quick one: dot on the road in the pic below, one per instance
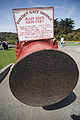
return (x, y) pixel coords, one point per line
(67, 109)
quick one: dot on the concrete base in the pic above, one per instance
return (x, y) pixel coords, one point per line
(4, 71)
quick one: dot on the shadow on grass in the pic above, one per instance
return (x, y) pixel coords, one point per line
(6, 50)
(65, 102)
(10, 49)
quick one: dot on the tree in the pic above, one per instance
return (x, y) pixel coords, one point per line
(56, 22)
(66, 25)
(56, 27)
(63, 27)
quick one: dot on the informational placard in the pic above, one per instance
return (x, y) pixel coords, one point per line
(34, 23)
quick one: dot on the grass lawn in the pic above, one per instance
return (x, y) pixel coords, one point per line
(71, 43)
(7, 57)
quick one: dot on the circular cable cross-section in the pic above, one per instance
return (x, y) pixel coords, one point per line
(44, 77)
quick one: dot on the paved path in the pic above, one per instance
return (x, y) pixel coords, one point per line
(67, 109)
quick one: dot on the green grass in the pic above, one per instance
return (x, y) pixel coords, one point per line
(71, 43)
(7, 57)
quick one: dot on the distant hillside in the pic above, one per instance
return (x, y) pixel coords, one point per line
(12, 37)
(78, 30)
(9, 37)
(73, 36)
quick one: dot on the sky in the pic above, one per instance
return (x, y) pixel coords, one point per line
(62, 9)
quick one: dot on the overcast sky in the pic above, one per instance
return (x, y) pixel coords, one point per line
(62, 9)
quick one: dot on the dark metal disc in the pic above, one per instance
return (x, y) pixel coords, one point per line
(44, 77)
